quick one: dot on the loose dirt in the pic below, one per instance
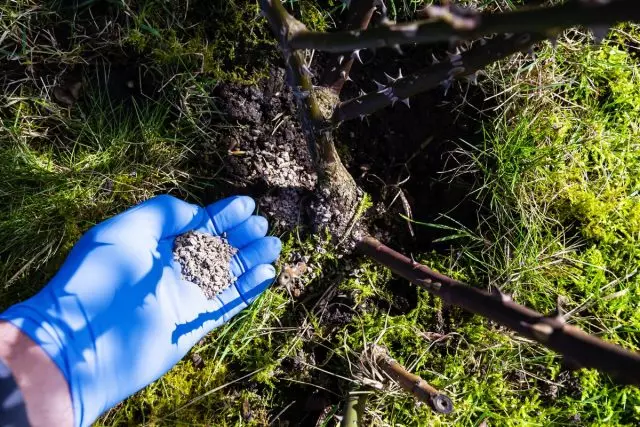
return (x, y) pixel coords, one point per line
(267, 147)
(205, 261)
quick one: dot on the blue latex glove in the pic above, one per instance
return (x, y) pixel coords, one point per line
(117, 315)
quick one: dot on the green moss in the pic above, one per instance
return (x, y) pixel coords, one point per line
(193, 41)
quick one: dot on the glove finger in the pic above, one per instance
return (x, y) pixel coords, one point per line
(160, 217)
(245, 290)
(226, 214)
(262, 251)
(253, 228)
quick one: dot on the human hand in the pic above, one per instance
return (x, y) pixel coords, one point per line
(117, 315)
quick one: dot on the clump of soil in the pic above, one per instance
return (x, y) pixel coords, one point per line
(291, 278)
(205, 260)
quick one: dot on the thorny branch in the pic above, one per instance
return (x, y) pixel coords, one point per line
(449, 24)
(338, 73)
(483, 53)
(578, 347)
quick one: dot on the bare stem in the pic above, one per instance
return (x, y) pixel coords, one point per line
(451, 25)
(578, 347)
(412, 383)
(483, 53)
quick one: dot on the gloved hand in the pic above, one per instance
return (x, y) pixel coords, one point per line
(117, 315)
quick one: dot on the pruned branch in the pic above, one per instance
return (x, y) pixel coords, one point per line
(450, 24)
(483, 53)
(412, 383)
(354, 407)
(578, 347)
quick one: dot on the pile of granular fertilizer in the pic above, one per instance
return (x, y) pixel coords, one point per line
(205, 261)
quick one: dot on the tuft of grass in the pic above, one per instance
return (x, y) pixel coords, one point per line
(61, 173)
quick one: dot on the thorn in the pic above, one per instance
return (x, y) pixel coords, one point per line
(340, 59)
(559, 314)
(306, 70)
(496, 293)
(397, 48)
(348, 79)
(453, 58)
(406, 102)
(380, 86)
(343, 74)
(362, 116)
(356, 55)
(599, 33)
(458, 51)
(362, 92)
(435, 60)
(390, 79)
(388, 92)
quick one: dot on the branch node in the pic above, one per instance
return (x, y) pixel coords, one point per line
(458, 18)
(541, 331)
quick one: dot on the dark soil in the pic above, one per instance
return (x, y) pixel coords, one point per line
(404, 153)
(267, 153)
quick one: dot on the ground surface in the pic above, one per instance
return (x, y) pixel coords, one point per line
(530, 182)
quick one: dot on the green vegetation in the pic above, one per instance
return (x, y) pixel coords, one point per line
(558, 179)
